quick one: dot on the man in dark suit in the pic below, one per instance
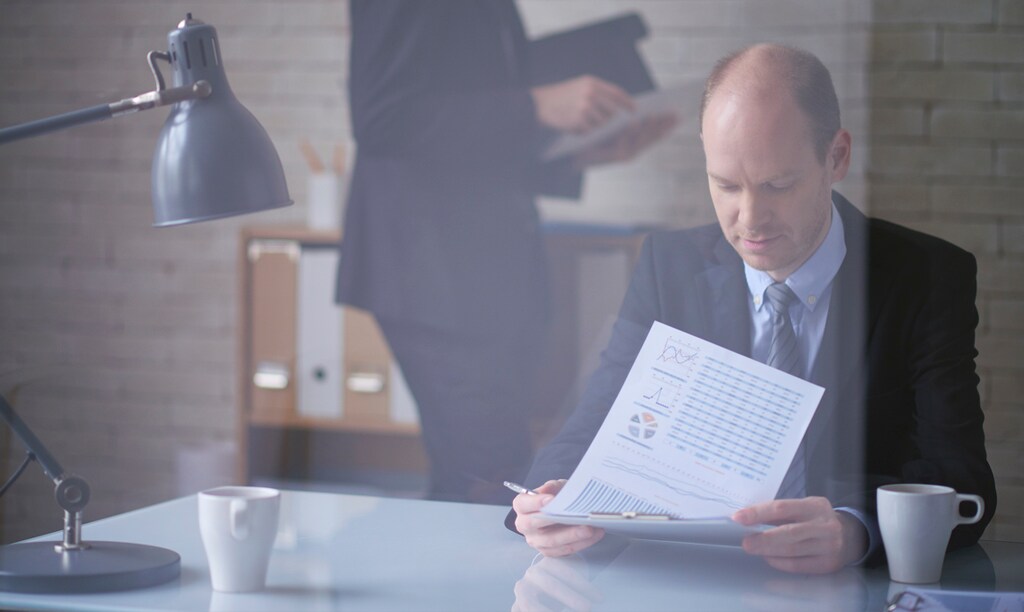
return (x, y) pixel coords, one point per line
(879, 315)
(442, 238)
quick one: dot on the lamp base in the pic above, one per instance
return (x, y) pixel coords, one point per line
(35, 567)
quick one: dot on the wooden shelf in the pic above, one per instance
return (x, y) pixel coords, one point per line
(276, 419)
(291, 232)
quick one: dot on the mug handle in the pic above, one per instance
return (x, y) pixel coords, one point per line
(978, 501)
(239, 519)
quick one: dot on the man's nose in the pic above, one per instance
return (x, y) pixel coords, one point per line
(754, 212)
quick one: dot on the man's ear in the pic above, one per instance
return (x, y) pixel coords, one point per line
(839, 154)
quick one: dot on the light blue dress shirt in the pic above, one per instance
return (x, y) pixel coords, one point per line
(812, 283)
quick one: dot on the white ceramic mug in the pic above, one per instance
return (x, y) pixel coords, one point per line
(238, 526)
(916, 521)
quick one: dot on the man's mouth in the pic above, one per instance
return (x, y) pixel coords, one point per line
(758, 244)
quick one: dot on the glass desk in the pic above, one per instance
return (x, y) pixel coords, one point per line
(347, 552)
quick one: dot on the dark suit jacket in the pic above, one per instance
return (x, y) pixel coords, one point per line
(441, 226)
(901, 401)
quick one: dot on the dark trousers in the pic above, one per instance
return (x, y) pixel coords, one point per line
(475, 394)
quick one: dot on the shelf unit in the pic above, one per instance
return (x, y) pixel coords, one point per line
(589, 270)
(364, 436)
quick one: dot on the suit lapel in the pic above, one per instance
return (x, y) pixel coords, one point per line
(840, 364)
(723, 300)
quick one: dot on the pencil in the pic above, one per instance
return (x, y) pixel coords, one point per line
(315, 165)
(339, 159)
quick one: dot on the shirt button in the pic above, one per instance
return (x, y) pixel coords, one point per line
(811, 299)
(757, 300)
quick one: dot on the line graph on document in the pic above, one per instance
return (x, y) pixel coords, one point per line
(679, 356)
(679, 487)
(663, 391)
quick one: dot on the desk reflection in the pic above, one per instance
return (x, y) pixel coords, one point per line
(620, 574)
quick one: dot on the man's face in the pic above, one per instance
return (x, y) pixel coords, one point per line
(772, 194)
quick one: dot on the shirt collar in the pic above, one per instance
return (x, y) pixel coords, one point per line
(811, 279)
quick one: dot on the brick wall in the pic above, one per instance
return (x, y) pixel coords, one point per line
(947, 157)
(143, 320)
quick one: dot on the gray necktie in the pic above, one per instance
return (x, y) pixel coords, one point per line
(784, 354)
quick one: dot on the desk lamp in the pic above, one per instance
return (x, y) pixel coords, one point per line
(212, 160)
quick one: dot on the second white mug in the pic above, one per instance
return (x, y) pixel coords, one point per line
(238, 526)
(916, 521)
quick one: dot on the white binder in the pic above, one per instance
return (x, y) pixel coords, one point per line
(319, 345)
(401, 404)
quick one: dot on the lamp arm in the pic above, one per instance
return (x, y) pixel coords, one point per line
(146, 101)
(71, 492)
(50, 465)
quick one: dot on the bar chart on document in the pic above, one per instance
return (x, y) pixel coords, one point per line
(697, 431)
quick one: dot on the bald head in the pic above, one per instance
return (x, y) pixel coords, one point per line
(769, 70)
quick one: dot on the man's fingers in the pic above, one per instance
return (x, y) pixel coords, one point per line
(561, 540)
(792, 543)
(557, 536)
(530, 522)
(614, 97)
(551, 487)
(783, 511)
(600, 102)
(571, 547)
(527, 507)
(526, 523)
(609, 104)
(524, 503)
(813, 538)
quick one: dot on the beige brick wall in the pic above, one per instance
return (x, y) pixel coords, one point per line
(947, 129)
(144, 320)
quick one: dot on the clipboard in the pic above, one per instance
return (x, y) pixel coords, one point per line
(606, 49)
(714, 531)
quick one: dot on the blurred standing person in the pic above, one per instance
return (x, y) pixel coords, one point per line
(442, 238)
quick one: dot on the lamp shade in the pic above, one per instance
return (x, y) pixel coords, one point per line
(213, 159)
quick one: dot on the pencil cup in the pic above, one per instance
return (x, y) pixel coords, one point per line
(325, 193)
(916, 521)
(238, 526)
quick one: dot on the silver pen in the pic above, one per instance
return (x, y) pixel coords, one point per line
(518, 488)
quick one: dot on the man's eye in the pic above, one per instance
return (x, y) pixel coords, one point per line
(780, 186)
(727, 188)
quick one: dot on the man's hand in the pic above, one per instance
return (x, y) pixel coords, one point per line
(625, 145)
(580, 104)
(811, 536)
(550, 539)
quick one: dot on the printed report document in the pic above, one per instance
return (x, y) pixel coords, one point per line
(696, 432)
